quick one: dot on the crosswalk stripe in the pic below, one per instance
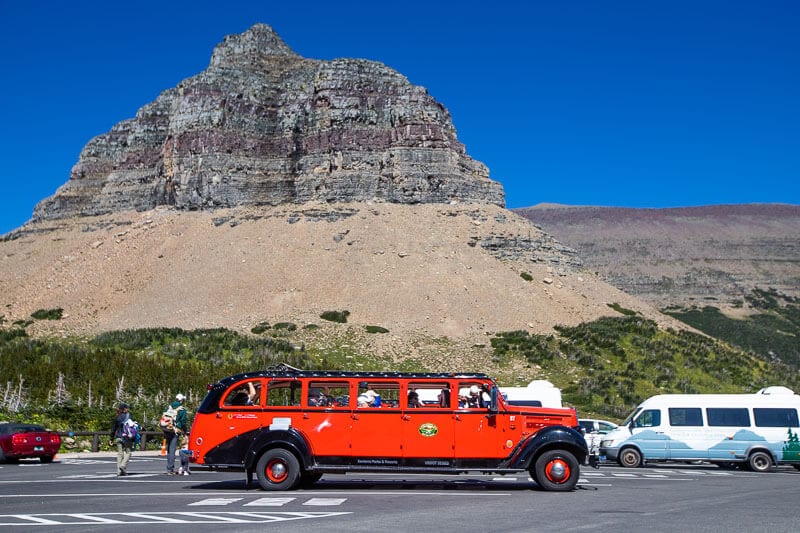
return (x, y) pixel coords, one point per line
(325, 501)
(216, 501)
(273, 502)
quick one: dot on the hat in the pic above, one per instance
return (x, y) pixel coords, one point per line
(123, 406)
(474, 390)
(180, 397)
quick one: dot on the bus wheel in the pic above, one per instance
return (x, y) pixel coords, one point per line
(556, 470)
(278, 469)
(630, 458)
(759, 462)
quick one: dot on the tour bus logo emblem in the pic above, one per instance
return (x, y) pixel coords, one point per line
(428, 430)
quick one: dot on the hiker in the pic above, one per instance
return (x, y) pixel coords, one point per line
(173, 424)
(124, 444)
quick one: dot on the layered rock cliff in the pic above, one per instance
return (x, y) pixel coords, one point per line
(264, 126)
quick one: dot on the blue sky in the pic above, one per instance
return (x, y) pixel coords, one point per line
(586, 102)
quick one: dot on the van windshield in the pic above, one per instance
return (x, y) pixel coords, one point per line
(631, 416)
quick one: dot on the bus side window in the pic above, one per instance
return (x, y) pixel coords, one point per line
(283, 393)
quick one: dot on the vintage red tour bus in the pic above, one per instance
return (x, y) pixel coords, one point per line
(291, 426)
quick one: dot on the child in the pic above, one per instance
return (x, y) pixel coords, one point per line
(185, 453)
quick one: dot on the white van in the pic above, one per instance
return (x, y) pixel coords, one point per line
(760, 430)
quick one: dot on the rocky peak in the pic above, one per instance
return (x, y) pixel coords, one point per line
(264, 126)
(246, 48)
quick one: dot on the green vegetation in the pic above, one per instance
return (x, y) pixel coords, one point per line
(335, 316)
(610, 365)
(773, 331)
(604, 367)
(526, 276)
(621, 310)
(74, 383)
(259, 328)
(48, 314)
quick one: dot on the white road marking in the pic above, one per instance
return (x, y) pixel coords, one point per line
(158, 518)
(269, 502)
(326, 501)
(216, 501)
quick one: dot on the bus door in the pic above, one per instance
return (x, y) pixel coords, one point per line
(479, 433)
(375, 436)
(428, 424)
(241, 408)
(326, 420)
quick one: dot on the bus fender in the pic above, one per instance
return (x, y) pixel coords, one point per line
(290, 439)
(548, 438)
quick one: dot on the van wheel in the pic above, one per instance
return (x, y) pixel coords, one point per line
(278, 469)
(630, 458)
(759, 462)
(556, 470)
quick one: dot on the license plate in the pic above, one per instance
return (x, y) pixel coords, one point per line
(38, 448)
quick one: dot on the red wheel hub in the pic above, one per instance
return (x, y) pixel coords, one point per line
(557, 470)
(276, 471)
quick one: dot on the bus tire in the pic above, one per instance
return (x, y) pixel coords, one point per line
(278, 469)
(759, 461)
(556, 470)
(630, 458)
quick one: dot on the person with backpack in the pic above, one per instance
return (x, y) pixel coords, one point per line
(173, 424)
(120, 437)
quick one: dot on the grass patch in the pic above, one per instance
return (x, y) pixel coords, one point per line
(376, 329)
(526, 276)
(259, 328)
(288, 326)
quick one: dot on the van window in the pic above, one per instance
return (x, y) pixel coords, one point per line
(648, 418)
(328, 394)
(728, 416)
(775, 417)
(685, 416)
(283, 393)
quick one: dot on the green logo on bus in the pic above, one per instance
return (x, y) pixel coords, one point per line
(428, 430)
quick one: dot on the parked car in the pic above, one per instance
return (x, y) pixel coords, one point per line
(593, 432)
(19, 440)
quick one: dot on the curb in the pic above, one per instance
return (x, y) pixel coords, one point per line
(94, 455)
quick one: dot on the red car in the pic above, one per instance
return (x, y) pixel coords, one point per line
(19, 441)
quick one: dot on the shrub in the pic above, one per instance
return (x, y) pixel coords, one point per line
(335, 316)
(311, 327)
(376, 329)
(288, 326)
(526, 276)
(259, 328)
(48, 314)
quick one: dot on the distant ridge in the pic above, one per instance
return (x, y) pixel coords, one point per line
(677, 256)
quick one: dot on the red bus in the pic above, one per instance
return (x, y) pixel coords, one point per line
(289, 427)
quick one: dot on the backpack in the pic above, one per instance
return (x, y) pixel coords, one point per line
(168, 419)
(130, 431)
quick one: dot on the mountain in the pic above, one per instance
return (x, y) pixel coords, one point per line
(264, 126)
(713, 255)
(273, 188)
